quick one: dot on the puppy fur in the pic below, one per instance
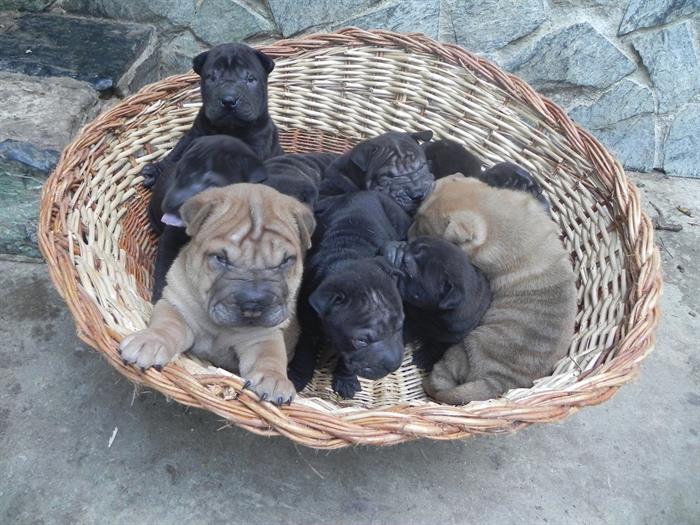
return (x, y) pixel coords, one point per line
(210, 162)
(232, 291)
(234, 102)
(298, 175)
(447, 157)
(530, 322)
(444, 295)
(349, 300)
(393, 163)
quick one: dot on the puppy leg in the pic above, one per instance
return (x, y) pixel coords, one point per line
(166, 337)
(449, 372)
(429, 353)
(263, 364)
(344, 383)
(301, 369)
(479, 390)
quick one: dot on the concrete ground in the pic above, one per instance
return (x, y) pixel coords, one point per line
(634, 459)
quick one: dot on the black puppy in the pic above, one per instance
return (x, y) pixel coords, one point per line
(210, 161)
(444, 295)
(349, 300)
(392, 163)
(234, 102)
(447, 157)
(298, 174)
(512, 176)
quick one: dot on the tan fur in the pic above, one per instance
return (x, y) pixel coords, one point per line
(530, 322)
(257, 227)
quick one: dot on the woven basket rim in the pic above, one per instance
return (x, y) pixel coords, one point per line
(389, 425)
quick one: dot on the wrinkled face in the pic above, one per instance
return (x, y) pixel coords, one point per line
(363, 320)
(431, 272)
(234, 84)
(395, 165)
(210, 162)
(246, 258)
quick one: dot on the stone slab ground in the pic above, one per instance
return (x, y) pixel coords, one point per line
(632, 460)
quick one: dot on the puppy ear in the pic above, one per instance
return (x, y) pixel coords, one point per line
(322, 300)
(306, 223)
(197, 210)
(388, 269)
(360, 156)
(198, 62)
(451, 297)
(465, 229)
(267, 63)
(422, 136)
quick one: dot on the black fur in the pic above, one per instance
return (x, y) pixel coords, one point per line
(447, 157)
(392, 163)
(444, 295)
(298, 175)
(234, 97)
(349, 300)
(512, 176)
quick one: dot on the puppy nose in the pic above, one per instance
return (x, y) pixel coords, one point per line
(252, 303)
(229, 101)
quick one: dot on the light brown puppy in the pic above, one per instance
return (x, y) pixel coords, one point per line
(530, 322)
(230, 296)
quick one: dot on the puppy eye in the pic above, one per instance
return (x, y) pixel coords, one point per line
(288, 261)
(251, 79)
(447, 287)
(219, 259)
(360, 342)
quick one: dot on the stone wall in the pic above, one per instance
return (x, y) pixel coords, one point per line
(628, 70)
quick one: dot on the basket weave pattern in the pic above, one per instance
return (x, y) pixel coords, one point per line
(328, 92)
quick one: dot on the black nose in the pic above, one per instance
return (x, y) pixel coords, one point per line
(229, 101)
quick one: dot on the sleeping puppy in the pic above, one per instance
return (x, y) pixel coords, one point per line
(444, 295)
(232, 290)
(447, 157)
(530, 322)
(210, 161)
(392, 163)
(234, 102)
(299, 174)
(349, 299)
(512, 176)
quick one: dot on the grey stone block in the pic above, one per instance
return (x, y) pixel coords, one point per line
(100, 52)
(20, 193)
(650, 13)
(177, 54)
(419, 16)
(682, 144)
(576, 55)
(158, 12)
(671, 57)
(219, 21)
(24, 5)
(491, 24)
(623, 120)
(43, 160)
(293, 16)
(45, 112)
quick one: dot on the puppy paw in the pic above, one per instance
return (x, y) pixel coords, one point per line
(299, 379)
(271, 386)
(440, 379)
(150, 173)
(146, 349)
(346, 386)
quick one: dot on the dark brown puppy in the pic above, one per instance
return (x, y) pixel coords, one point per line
(234, 102)
(392, 163)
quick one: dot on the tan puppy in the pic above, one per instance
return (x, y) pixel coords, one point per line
(231, 293)
(529, 325)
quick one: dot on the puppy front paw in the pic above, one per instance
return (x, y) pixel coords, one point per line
(150, 174)
(299, 379)
(271, 386)
(346, 386)
(146, 349)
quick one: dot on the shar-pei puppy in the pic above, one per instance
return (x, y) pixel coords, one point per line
(231, 293)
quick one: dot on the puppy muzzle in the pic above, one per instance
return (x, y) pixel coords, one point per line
(378, 359)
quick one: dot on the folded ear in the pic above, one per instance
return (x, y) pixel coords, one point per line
(361, 155)
(422, 136)
(394, 273)
(304, 218)
(198, 62)
(267, 63)
(322, 300)
(465, 229)
(257, 174)
(197, 210)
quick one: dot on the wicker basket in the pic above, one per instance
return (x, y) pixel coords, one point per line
(327, 92)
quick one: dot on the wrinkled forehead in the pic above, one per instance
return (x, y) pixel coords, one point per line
(233, 58)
